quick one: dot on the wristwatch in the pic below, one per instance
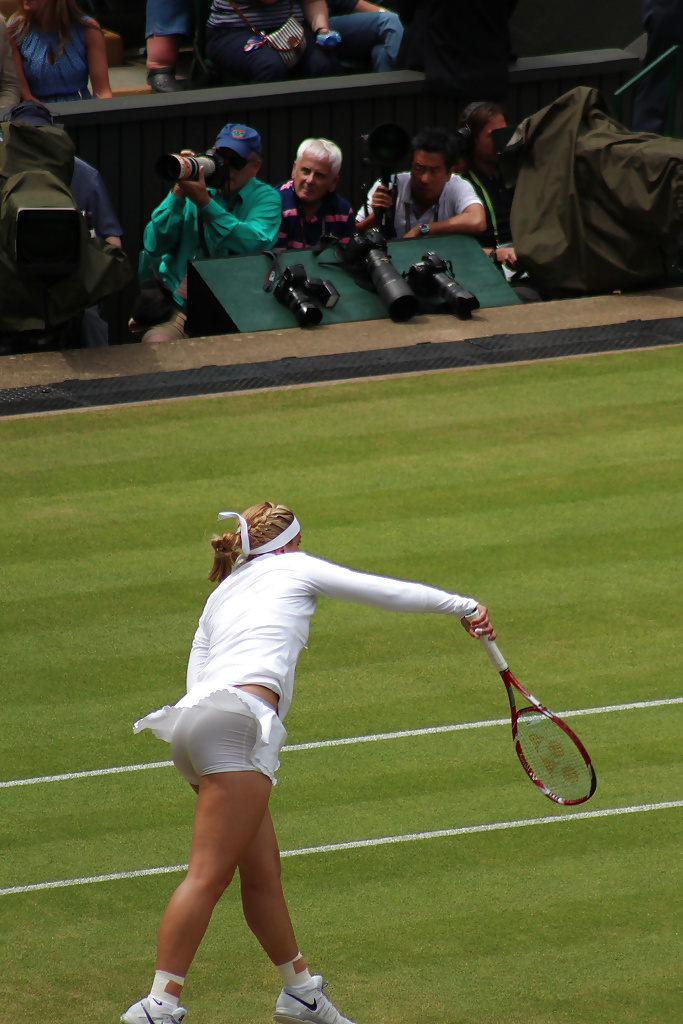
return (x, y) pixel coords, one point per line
(424, 230)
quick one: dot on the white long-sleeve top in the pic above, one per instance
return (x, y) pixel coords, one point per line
(256, 621)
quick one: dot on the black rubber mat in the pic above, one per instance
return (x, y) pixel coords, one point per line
(501, 348)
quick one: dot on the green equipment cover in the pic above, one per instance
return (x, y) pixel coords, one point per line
(597, 207)
(36, 167)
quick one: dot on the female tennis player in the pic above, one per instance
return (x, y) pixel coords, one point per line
(226, 734)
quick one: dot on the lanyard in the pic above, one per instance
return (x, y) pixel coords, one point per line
(302, 222)
(489, 205)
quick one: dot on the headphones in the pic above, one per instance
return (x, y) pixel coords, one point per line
(464, 134)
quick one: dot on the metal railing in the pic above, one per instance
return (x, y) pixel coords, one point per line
(674, 58)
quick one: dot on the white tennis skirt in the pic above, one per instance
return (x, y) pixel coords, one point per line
(227, 730)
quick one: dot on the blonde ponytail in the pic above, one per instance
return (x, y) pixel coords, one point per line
(266, 521)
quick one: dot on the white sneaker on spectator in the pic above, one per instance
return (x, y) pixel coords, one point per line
(151, 1011)
(310, 1005)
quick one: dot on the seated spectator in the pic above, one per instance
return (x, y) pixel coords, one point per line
(168, 21)
(311, 207)
(463, 46)
(193, 221)
(10, 92)
(92, 197)
(482, 169)
(236, 43)
(663, 22)
(369, 34)
(56, 50)
(429, 200)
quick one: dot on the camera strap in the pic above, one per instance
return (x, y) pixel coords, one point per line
(324, 242)
(202, 236)
(275, 269)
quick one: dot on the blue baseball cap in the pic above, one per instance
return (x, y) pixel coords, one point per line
(240, 139)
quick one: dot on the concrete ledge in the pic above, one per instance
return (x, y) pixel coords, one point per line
(194, 353)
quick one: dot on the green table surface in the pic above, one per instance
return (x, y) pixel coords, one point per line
(237, 282)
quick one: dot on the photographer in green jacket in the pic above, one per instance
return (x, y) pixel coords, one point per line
(242, 216)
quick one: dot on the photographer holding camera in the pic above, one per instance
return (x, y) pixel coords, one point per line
(235, 214)
(429, 200)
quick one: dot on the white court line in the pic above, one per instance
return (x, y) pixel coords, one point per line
(350, 739)
(358, 843)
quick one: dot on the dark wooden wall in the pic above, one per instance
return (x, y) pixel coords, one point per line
(123, 137)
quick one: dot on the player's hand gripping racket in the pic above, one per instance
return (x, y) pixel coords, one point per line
(551, 754)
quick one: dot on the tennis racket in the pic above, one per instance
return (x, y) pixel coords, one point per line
(551, 754)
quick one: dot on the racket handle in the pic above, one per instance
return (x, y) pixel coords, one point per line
(490, 647)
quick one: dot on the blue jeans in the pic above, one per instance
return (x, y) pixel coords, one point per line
(369, 36)
(225, 48)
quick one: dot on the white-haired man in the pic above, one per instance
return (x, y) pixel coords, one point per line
(311, 206)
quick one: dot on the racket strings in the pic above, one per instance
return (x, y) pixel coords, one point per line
(552, 756)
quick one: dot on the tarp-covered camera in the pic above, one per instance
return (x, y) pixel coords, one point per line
(50, 267)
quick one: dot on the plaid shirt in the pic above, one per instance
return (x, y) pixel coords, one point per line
(333, 217)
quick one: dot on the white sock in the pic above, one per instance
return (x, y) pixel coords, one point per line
(158, 989)
(292, 978)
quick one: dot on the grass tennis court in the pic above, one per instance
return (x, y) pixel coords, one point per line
(550, 491)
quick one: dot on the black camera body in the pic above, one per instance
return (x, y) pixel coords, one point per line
(386, 147)
(368, 253)
(430, 278)
(294, 288)
(173, 167)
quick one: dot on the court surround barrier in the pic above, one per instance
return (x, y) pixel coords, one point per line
(123, 137)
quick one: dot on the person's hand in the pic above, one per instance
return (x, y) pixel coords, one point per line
(382, 198)
(479, 624)
(413, 233)
(507, 255)
(327, 38)
(195, 191)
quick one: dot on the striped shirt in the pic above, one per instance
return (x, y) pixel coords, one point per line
(265, 17)
(334, 216)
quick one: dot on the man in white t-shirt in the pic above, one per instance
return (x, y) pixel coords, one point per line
(429, 200)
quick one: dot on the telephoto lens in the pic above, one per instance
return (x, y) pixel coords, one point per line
(173, 167)
(289, 290)
(176, 167)
(396, 295)
(368, 253)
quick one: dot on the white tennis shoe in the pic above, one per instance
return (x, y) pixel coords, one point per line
(150, 1011)
(308, 1004)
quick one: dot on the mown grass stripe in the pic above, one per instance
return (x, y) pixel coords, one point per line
(371, 738)
(360, 843)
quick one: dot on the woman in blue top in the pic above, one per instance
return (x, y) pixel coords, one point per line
(56, 50)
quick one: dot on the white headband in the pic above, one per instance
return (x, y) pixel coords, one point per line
(289, 533)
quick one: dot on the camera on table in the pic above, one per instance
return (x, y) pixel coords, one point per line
(430, 278)
(368, 253)
(174, 167)
(294, 289)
